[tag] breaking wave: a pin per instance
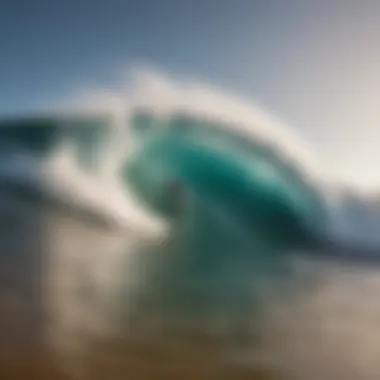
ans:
(229, 189)
(80, 159)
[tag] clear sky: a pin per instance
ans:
(316, 64)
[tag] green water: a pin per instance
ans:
(236, 209)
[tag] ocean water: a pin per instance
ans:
(188, 243)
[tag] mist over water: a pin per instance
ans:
(179, 214)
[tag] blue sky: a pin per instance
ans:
(316, 64)
(51, 45)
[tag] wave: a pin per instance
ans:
(230, 189)
(249, 179)
(78, 154)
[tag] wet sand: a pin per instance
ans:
(111, 362)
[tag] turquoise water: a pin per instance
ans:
(251, 196)
(207, 162)
(236, 208)
(238, 213)
(249, 181)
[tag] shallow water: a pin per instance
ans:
(63, 314)
(60, 304)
